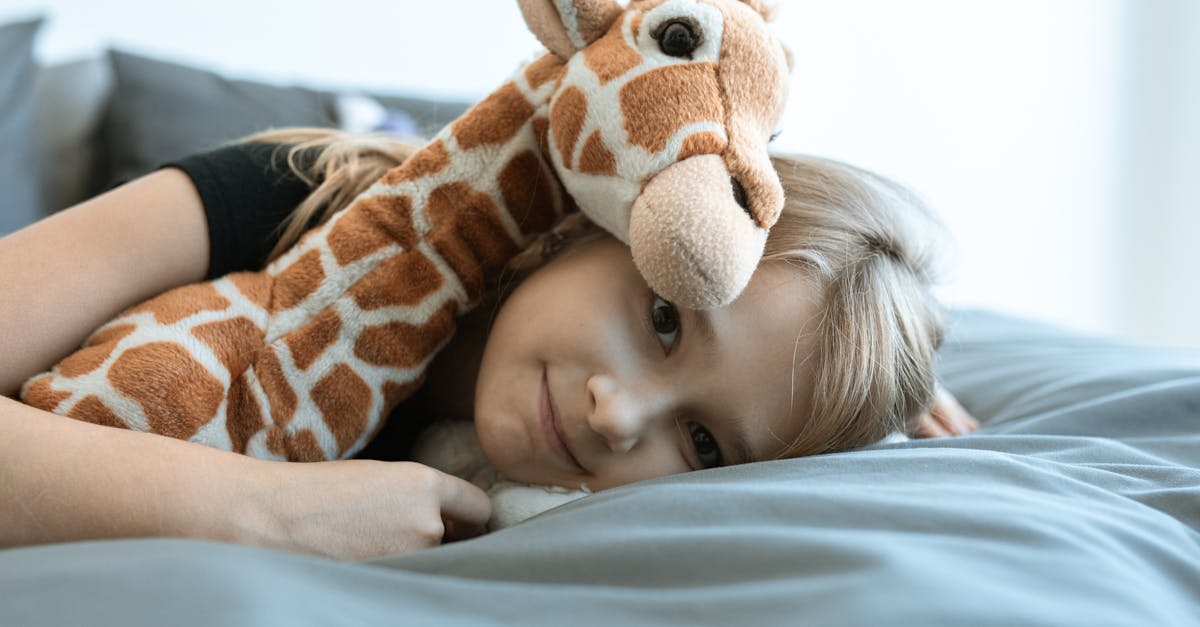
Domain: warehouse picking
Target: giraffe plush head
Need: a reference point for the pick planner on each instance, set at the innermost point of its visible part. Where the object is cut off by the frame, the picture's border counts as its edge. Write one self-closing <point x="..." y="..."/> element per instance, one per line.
<point x="658" y="129"/>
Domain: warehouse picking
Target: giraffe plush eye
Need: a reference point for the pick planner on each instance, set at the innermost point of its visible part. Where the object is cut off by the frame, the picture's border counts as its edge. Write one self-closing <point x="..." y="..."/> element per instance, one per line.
<point x="678" y="38"/>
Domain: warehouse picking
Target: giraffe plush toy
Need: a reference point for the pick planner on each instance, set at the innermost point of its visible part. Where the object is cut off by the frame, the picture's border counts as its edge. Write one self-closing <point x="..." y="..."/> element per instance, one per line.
<point x="653" y="119"/>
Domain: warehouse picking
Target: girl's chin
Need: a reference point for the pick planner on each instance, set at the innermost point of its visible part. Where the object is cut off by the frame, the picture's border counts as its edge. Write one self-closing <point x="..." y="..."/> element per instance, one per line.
<point x="499" y="448"/>
<point x="507" y="460"/>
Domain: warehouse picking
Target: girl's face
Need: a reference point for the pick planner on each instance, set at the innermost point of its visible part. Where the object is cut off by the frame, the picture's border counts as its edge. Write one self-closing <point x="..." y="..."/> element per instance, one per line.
<point x="589" y="378"/>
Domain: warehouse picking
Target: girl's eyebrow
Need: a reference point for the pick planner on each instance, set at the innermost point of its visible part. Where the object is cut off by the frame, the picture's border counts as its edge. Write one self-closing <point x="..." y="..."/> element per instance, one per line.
<point x="701" y="320"/>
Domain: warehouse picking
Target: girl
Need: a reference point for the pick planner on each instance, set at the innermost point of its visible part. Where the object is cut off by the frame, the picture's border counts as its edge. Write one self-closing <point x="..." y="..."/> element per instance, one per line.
<point x="577" y="375"/>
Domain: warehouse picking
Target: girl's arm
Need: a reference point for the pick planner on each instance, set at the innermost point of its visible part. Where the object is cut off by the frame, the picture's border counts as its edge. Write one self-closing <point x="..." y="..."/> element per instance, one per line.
<point x="64" y="276"/>
<point x="69" y="480"/>
<point x="63" y="479"/>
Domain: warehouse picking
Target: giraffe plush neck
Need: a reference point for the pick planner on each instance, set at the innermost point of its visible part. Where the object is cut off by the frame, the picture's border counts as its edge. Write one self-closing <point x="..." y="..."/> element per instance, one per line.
<point x="305" y="359"/>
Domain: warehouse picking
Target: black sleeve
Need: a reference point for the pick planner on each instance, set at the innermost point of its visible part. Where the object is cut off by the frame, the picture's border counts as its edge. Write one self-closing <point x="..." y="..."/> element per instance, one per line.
<point x="247" y="190"/>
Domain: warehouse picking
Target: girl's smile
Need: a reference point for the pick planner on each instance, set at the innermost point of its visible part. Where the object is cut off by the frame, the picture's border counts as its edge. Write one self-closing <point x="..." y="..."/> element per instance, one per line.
<point x="552" y="428"/>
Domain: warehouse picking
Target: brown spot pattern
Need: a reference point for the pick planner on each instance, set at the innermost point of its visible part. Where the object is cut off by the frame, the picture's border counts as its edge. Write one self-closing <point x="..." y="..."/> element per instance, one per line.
<point x="304" y="447"/>
<point x="751" y="73"/>
<point x="468" y="233"/>
<point x="610" y="57"/>
<point x="84" y="360"/>
<point x="301" y="446"/>
<point x="429" y="160"/>
<point x="41" y="395"/>
<point x="244" y="417"/>
<point x="297" y="281"/>
<point x="233" y="341"/>
<point x="404" y="279"/>
<point x="702" y="143"/>
<point x="526" y="188"/>
<point x="111" y="334"/>
<point x="182" y="302"/>
<point x="280" y="394"/>
<point x="277" y="442"/>
<point x="255" y="286"/>
<point x="404" y="345"/>
<point x="97" y="350"/>
<point x="660" y="102"/>
<point x="596" y="158"/>
<point x="92" y="409"/>
<point x="566" y="120"/>
<point x="345" y="402"/>
<point x="495" y="120"/>
<point x="175" y="391"/>
<point x="546" y="68"/>
<point x="309" y="341"/>
<point x="369" y="225"/>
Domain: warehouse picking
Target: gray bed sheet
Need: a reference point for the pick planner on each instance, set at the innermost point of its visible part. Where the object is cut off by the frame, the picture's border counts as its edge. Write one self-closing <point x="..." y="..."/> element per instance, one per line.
<point x="1077" y="503"/>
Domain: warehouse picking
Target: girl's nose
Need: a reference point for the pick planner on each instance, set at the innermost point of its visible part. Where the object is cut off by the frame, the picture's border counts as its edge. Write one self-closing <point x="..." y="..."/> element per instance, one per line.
<point x="615" y="413"/>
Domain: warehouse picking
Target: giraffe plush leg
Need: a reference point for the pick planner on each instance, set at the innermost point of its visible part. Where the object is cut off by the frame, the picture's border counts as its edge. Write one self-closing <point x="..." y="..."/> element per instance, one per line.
<point x="163" y="366"/>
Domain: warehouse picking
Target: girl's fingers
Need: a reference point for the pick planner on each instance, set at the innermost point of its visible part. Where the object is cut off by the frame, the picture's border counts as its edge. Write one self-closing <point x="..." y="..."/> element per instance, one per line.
<point x="954" y="415"/>
<point x="931" y="427"/>
<point x="947" y="417"/>
<point x="465" y="508"/>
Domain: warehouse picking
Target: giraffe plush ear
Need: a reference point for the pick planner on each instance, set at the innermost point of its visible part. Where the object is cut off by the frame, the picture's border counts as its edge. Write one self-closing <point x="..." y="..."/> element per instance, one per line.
<point x="567" y="26"/>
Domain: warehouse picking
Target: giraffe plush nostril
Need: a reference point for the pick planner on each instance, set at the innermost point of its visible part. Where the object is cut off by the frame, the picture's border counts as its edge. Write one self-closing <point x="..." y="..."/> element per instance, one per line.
<point x="739" y="194"/>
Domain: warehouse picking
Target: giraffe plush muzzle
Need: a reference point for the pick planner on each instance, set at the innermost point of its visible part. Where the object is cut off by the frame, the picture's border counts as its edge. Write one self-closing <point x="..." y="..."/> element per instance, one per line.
<point x="692" y="238"/>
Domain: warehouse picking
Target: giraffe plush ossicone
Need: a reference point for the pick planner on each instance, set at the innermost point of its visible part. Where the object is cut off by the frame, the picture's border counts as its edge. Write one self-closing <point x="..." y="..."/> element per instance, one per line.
<point x="652" y="119"/>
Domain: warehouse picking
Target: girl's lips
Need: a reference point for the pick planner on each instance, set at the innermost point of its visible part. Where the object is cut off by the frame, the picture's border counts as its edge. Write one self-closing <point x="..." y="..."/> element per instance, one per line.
<point x="552" y="428"/>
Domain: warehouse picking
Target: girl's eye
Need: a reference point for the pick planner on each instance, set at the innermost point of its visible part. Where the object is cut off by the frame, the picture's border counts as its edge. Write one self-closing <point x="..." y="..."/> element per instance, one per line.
<point x="664" y="319"/>
<point x="706" y="447"/>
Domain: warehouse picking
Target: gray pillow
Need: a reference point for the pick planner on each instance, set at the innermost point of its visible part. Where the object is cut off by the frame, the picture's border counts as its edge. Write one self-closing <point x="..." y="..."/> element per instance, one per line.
<point x="161" y="111"/>
<point x="19" y="202"/>
<point x="422" y="117"/>
<point x="71" y="100"/>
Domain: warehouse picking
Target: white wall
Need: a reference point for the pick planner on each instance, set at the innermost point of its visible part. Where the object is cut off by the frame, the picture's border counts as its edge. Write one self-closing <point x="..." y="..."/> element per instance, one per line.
<point x="426" y="45"/>
<point x="1160" y="203"/>
<point x="1001" y="113"/>
<point x="1059" y="161"/>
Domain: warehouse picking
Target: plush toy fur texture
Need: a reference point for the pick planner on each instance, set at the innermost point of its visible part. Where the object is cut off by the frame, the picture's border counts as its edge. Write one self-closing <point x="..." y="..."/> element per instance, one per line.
<point x="303" y="360"/>
<point x="451" y="446"/>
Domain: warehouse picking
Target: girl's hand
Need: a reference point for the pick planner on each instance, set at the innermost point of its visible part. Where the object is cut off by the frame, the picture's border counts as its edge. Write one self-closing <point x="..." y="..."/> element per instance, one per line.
<point x="946" y="417"/>
<point x="356" y="509"/>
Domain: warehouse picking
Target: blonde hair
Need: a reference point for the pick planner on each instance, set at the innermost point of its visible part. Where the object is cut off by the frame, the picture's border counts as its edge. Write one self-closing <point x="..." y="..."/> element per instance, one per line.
<point x="871" y="249"/>
<point x="868" y="247"/>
